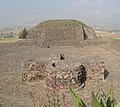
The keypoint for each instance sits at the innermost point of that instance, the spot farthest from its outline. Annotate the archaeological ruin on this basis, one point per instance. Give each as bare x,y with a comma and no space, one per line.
59,74
59,33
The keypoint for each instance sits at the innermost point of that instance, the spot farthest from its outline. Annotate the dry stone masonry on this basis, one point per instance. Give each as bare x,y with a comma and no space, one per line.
61,33
57,75
97,71
33,71
60,79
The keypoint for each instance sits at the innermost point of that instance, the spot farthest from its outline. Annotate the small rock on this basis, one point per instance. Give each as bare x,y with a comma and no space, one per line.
66,76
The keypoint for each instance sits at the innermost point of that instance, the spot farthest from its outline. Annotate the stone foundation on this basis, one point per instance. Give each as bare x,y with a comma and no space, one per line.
33,71
73,36
60,77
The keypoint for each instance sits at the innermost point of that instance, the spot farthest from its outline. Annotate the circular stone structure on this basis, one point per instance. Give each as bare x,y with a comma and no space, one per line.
66,32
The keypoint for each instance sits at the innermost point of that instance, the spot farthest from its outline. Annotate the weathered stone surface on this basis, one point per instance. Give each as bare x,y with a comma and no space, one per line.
60,77
97,71
58,33
90,32
33,71
75,77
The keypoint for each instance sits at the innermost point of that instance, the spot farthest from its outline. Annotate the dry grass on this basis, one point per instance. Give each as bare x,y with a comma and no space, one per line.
66,23
8,40
116,38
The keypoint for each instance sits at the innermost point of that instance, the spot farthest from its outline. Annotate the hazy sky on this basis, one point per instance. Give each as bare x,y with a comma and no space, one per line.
27,12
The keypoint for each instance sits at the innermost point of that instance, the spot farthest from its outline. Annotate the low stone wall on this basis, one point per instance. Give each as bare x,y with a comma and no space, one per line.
33,71
97,71
29,42
90,32
59,77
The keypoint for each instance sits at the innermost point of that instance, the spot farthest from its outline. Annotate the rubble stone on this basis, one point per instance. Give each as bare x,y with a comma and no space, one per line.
75,76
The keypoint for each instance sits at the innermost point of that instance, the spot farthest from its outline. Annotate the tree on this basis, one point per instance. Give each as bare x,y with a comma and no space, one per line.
23,34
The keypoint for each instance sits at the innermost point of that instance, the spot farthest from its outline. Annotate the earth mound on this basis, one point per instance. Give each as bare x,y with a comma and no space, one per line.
68,23
61,33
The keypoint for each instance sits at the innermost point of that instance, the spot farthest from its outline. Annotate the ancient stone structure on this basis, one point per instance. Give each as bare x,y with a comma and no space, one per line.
60,79
97,71
61,32
63,36
59,75
33,71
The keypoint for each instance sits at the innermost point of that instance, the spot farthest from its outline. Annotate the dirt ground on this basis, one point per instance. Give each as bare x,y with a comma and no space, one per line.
15,93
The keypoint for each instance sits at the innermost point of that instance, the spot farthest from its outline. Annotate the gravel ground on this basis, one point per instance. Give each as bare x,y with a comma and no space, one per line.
15,93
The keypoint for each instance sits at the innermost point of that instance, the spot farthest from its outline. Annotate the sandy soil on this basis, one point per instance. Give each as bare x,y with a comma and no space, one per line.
15,93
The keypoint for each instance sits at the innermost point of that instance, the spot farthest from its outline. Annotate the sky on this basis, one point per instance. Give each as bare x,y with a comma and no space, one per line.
30,12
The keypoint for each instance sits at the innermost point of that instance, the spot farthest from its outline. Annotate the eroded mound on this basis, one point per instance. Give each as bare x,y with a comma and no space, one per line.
61,32
67,23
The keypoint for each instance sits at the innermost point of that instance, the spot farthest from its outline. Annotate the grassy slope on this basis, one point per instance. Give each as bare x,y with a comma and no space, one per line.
67,23
8,40
116,38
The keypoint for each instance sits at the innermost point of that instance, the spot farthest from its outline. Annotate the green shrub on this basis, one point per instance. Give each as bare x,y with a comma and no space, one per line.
23,34
98,100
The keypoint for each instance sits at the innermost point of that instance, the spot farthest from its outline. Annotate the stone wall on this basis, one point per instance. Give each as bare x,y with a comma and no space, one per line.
36,33
62,74
90,32
61,36
33,71
28,42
